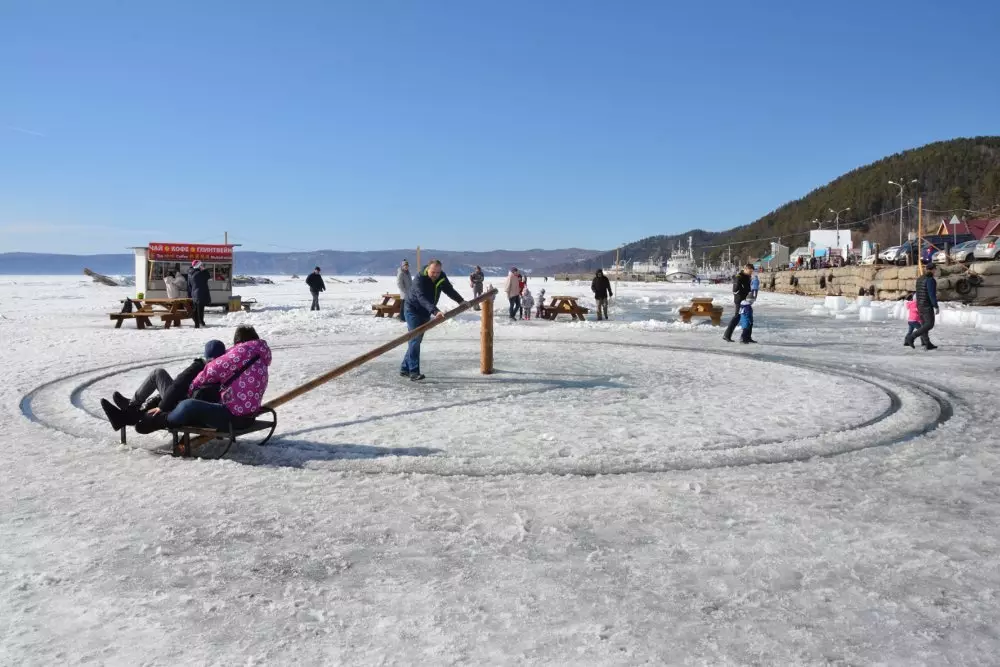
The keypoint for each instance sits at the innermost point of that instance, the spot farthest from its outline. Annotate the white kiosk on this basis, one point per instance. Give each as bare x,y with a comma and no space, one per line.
153,262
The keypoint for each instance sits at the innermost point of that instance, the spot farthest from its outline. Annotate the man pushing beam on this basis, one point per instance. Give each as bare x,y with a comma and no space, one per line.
420,307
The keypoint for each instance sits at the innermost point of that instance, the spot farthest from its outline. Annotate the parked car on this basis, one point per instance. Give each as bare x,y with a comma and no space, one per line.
988,248
964,252
889,254
929,245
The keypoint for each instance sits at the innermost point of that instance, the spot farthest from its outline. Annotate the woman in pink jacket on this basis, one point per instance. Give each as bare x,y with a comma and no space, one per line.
240,377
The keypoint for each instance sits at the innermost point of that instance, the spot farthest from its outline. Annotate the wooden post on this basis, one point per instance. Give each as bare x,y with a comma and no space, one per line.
419,267
486,338
920,234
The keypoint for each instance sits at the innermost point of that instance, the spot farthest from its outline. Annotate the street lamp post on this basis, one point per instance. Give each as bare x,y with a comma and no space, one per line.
837,223
901,187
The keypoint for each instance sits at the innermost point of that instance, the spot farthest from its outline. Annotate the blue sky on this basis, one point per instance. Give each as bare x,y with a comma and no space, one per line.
461,124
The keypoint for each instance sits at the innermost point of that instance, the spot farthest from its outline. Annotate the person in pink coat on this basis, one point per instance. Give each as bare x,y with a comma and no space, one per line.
240,377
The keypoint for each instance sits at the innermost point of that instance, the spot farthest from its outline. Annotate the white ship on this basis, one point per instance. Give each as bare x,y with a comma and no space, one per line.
681,266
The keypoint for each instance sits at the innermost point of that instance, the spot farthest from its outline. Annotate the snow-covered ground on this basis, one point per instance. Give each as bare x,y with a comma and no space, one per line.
625,492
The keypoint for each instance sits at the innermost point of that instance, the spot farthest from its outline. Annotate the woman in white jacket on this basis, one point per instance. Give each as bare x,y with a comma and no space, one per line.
176,285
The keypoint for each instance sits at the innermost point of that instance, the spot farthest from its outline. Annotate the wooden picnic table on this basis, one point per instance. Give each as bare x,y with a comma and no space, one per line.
391,305
564,305
702,307
169,311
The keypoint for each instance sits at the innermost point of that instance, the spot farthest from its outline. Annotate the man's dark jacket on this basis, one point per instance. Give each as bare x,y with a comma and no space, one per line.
198,286
424,294
315,282
601,287
926,293
741,288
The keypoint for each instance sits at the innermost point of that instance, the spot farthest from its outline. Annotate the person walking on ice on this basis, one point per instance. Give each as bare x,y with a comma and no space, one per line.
741,290
746,321
912,316
541,303
601,287
927,307
476,279
403,283
316,285
421,306
512,288
754,286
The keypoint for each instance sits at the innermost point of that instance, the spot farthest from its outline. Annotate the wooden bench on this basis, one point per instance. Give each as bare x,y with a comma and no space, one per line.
266,420
141,319
702,308
564,305
392,305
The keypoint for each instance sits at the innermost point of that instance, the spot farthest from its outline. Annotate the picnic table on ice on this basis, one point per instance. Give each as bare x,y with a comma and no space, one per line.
564,305
169,311
391,305
702,307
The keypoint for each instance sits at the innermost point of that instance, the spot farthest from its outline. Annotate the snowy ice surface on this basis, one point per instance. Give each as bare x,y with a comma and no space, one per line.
625,492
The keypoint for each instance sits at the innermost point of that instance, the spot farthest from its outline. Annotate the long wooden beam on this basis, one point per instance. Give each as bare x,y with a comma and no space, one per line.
364,358
377,352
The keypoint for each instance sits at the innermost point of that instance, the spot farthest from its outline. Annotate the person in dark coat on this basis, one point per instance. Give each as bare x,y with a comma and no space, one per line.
421,306
741,290
601,287
199,292
316,285
158,391
927,307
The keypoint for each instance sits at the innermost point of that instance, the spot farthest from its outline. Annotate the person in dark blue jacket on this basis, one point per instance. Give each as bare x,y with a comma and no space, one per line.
199,292
421,306
927,307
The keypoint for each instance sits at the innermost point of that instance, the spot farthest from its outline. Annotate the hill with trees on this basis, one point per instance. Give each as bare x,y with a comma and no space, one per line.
960,177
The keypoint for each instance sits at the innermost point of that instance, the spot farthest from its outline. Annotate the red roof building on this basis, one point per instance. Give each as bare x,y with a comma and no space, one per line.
978,228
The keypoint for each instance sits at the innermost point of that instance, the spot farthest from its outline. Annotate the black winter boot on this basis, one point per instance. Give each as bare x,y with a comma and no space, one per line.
114,415
121,401
131,411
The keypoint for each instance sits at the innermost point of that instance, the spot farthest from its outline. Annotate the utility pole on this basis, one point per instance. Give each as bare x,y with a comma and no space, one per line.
901,187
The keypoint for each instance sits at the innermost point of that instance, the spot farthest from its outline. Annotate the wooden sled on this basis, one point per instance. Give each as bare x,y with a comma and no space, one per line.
183,447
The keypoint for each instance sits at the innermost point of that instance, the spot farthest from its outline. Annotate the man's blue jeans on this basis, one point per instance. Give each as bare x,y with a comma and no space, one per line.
411,362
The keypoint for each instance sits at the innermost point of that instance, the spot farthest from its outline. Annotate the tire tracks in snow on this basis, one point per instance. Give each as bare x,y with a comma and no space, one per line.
736,455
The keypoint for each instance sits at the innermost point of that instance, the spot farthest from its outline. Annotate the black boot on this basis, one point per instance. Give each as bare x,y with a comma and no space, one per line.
115,416
131,411
122,402
151,423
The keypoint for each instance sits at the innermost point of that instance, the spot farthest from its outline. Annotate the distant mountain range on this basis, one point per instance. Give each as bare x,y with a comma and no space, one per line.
333,262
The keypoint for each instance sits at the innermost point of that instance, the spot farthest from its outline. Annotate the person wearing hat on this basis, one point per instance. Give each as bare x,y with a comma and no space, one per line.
927,307
601,287
316,285
159,390
199,292
404,282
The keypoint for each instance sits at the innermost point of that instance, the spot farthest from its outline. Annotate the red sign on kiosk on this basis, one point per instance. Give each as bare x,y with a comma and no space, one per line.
180,252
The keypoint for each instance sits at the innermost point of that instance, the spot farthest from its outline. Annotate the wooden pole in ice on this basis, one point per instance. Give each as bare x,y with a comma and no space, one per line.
486,338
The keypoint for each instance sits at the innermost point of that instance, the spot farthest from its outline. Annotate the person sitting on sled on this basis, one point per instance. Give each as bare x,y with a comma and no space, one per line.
228,391
158,391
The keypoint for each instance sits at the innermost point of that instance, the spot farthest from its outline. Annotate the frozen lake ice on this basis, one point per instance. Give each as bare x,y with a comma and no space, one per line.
617,493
